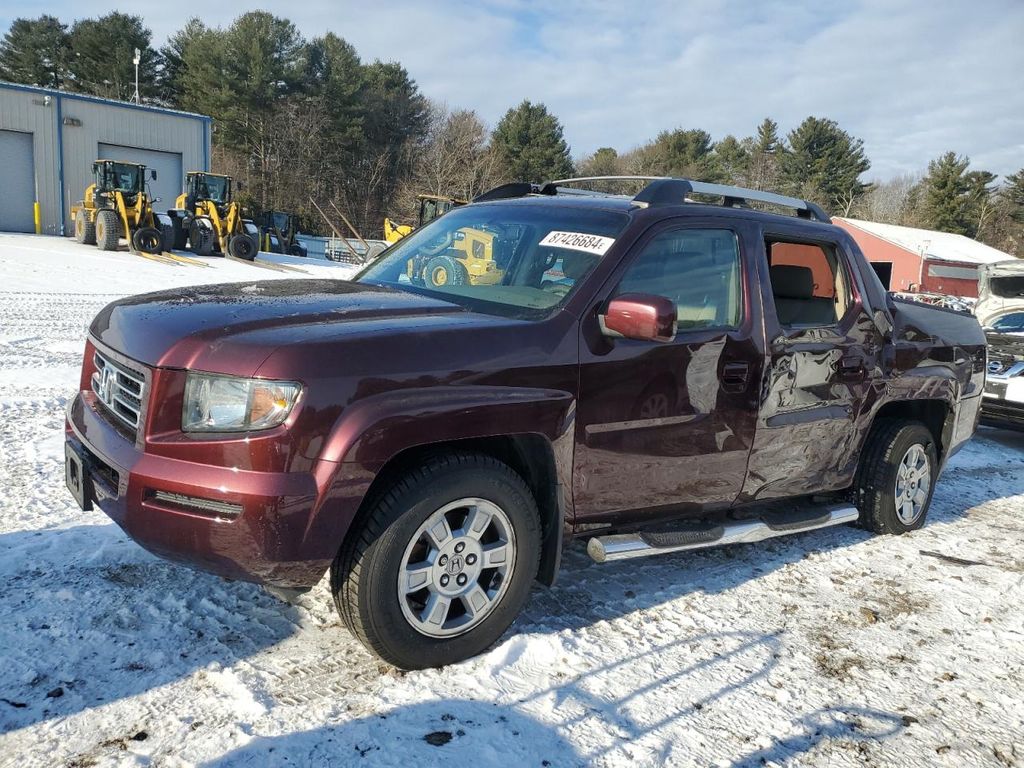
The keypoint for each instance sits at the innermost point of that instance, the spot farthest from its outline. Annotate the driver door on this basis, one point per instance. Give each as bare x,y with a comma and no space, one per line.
664,426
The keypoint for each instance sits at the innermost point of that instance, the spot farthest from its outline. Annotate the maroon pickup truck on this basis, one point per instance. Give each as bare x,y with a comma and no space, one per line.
545,363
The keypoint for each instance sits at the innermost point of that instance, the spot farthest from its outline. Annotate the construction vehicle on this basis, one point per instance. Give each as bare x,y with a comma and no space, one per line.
278,233
431,206
465,257
117,205
208,217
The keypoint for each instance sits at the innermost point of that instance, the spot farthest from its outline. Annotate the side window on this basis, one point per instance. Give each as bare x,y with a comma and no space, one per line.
808,284
698,269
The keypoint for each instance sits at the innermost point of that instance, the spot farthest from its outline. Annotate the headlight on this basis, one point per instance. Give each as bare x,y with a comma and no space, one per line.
232,404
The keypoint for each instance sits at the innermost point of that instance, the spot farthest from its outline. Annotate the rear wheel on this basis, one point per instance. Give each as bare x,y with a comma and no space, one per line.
108,234
444,270
897,477
85,228
442,564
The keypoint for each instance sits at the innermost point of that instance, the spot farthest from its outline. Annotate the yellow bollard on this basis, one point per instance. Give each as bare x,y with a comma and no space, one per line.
37,214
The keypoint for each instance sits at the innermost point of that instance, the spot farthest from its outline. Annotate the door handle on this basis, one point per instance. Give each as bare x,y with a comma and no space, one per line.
734,376
852,367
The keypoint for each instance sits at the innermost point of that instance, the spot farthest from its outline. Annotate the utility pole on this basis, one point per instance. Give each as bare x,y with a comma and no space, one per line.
135,61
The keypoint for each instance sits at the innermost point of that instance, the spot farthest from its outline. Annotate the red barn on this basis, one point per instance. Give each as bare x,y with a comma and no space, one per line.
921,260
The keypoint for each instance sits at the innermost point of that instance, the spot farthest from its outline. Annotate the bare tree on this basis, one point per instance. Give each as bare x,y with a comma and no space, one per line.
454,160
888,202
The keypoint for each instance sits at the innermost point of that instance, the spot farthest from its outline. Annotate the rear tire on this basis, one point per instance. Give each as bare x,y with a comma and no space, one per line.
896,477
394,623
108,231
85,229
444,270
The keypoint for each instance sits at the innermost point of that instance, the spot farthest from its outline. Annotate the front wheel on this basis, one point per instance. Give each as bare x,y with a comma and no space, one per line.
442,564
897,477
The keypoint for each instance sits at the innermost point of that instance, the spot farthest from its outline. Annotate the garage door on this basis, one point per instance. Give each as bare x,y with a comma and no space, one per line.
167,165
19,192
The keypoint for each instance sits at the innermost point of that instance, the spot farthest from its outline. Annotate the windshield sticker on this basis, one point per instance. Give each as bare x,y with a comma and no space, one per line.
579,241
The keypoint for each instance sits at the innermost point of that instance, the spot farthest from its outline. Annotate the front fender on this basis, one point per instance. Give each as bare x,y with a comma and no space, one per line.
374,430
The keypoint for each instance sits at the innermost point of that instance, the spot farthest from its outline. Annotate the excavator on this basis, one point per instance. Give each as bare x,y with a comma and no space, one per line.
431,206
208,217
117,205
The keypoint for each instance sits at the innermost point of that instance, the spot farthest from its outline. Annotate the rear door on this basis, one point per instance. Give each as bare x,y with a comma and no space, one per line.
824,352
665,426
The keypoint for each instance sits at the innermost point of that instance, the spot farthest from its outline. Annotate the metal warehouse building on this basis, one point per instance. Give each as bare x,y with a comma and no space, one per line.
922,260
49,140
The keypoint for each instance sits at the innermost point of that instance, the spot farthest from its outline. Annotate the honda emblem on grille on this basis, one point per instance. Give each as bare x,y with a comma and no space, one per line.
107,379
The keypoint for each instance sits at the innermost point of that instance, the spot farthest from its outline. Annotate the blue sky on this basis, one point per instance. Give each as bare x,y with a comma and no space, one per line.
912,78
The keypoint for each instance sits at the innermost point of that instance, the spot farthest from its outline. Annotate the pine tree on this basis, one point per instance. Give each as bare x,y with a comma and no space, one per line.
529,144
824,164
683,153
944,195
102,53
1012,196
35,52
733,160
765,151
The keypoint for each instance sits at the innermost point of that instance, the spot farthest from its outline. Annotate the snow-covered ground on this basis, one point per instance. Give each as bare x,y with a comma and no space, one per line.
830,648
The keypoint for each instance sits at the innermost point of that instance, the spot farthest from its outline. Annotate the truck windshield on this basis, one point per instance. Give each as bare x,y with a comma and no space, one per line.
503,259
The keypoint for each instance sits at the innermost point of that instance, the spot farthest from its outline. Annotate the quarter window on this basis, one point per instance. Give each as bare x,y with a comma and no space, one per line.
698,269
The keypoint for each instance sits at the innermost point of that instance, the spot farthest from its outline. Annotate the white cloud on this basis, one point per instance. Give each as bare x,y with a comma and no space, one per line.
913,78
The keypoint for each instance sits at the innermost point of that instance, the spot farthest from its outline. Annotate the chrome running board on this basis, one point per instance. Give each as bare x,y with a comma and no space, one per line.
604,549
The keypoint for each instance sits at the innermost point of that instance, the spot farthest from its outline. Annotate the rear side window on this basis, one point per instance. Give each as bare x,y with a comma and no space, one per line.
698,269
808,283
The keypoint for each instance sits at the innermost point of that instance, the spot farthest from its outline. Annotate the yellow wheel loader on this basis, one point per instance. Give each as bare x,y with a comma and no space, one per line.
208,218
431,206
117,205
465,257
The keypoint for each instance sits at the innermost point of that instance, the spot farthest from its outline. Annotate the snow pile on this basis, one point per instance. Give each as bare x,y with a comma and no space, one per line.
830,648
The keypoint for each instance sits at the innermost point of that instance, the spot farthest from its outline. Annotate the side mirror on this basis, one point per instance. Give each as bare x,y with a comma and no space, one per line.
640,316
152,174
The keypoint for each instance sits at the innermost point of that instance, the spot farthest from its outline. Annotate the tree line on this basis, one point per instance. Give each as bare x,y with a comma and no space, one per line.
301,119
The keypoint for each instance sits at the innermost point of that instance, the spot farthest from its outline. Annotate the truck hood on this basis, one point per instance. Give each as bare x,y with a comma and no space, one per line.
233,328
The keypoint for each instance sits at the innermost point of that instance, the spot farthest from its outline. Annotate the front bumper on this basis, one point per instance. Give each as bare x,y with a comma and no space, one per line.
1003,402
257,529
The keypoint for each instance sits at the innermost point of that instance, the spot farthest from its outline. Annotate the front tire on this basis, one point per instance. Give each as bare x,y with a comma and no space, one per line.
108,231
896,478
442,563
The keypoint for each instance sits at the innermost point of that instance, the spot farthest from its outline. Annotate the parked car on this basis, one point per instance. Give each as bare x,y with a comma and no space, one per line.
647,369
1000,309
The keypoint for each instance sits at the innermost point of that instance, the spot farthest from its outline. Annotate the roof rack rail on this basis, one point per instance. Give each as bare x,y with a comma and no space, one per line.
667,190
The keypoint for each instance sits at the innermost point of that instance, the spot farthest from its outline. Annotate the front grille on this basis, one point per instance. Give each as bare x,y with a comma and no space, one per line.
120,389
